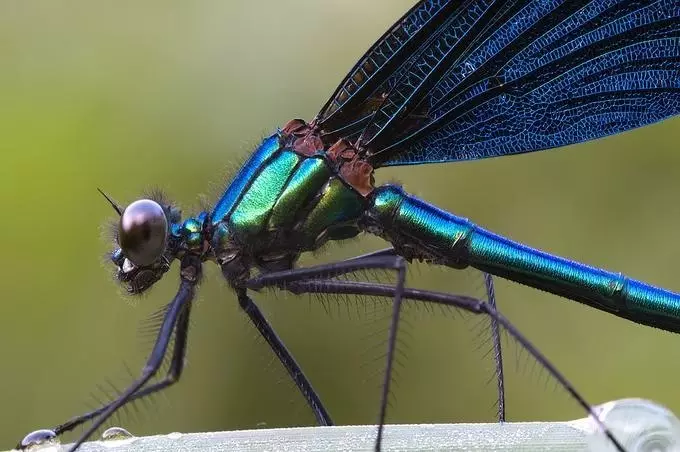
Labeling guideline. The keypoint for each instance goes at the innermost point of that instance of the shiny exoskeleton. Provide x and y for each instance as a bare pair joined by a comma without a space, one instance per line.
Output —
281,203
449,81
293,196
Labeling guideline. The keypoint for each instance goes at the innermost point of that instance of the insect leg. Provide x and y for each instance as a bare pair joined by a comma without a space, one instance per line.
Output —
468,304
173,375
498,353
285,357
381,260
184,296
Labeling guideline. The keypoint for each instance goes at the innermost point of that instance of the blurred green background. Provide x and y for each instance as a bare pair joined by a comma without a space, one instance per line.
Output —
126,96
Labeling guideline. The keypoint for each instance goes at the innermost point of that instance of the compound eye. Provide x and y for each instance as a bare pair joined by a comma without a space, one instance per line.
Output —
142,232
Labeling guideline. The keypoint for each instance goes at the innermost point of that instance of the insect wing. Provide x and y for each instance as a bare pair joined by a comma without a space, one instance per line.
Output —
490,78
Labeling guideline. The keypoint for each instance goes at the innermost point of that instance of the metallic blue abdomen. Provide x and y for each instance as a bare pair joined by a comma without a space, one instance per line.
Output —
422,231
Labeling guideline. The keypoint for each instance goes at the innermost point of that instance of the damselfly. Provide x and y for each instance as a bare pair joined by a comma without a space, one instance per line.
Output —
450,81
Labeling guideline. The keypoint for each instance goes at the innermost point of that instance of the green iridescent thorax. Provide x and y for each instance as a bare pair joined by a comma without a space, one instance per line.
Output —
282,203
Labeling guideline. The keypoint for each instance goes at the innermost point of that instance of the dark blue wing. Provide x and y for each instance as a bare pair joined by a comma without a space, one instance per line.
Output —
362,91
506,77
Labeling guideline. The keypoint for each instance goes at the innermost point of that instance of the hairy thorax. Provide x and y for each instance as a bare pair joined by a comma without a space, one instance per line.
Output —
291,196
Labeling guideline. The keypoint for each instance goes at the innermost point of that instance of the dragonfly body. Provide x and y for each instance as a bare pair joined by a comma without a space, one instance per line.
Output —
420,230
292,196
450,81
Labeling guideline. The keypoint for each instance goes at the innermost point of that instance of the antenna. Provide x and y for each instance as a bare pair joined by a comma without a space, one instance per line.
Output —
115,206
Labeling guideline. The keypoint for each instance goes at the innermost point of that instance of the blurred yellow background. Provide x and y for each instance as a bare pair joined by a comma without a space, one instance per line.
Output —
126,96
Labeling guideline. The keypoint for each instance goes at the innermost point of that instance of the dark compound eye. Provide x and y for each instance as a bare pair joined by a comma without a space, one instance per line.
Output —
142,232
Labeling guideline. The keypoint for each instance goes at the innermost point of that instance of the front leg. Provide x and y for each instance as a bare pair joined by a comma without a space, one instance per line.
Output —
176,319
172,377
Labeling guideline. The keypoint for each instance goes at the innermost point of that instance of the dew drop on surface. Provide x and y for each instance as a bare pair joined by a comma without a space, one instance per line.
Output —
115,433
39,438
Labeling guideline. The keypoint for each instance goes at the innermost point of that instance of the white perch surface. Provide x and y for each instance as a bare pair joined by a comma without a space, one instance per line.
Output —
639,425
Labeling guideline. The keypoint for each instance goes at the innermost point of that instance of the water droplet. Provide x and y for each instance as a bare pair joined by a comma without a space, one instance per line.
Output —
115,434
39,438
